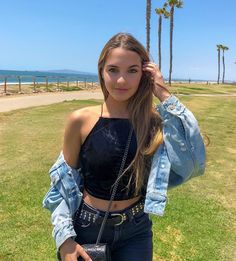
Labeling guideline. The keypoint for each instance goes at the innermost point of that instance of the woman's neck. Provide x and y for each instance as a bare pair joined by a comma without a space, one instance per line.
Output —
116,109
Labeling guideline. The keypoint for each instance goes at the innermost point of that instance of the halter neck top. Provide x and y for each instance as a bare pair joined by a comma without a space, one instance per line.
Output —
101,155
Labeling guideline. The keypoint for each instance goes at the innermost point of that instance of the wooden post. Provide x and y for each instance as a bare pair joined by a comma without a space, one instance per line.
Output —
77,83
92,84
67,83
58,83
19,79
85,83
34,81
5,85
47,83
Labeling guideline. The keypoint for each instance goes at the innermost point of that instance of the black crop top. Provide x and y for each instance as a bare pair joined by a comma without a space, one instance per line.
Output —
101,155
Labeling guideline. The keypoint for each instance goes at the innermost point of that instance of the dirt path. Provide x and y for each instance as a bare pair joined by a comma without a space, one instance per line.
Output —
24,101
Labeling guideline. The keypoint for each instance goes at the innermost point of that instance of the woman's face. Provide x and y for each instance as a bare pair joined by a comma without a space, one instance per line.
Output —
122,73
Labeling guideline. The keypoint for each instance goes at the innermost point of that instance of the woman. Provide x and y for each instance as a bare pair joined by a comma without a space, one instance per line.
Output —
166,149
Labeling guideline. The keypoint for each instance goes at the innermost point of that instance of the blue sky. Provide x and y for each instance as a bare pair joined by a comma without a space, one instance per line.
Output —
50,34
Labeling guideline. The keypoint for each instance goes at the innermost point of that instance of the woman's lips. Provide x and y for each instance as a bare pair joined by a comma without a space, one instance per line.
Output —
121,89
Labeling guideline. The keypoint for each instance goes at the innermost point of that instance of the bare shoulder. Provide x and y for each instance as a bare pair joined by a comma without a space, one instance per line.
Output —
84,115
79,124
82,121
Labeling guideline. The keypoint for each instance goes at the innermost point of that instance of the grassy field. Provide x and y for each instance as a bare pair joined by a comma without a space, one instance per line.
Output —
199,222
197,88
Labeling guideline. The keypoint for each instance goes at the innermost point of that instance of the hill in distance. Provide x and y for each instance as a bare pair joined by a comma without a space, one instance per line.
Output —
70,72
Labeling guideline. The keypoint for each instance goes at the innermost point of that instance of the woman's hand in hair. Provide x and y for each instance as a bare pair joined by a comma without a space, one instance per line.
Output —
159,88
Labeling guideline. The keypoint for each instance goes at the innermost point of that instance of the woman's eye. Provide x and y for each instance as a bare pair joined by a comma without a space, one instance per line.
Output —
112,70
133,71
115,70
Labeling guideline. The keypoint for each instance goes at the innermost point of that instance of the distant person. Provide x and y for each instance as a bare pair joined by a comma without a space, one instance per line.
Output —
166,149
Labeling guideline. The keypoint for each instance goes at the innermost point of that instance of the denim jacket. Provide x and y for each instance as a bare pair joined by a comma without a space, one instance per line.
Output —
179,158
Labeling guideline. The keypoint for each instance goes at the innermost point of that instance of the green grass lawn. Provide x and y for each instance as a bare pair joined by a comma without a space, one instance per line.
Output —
199,222
199,88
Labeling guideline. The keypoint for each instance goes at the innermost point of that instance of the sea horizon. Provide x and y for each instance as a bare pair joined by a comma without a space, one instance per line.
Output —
28,76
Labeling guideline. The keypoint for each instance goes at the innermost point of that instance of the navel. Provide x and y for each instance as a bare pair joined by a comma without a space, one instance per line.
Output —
114,205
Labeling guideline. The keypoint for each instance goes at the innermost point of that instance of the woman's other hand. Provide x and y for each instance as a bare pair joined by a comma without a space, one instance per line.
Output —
159,88
70,251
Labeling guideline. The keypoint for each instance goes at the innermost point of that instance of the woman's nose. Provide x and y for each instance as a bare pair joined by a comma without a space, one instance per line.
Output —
121,79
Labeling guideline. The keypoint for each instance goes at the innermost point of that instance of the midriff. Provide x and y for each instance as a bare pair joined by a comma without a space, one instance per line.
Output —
102,204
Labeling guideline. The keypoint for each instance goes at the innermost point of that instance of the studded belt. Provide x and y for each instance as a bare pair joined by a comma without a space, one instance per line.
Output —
91,215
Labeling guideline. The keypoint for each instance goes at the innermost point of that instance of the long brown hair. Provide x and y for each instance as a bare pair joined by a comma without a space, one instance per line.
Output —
145,120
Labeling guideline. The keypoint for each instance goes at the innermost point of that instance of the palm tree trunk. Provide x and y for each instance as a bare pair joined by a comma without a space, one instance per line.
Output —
148,17
159,41
218,80
223,60
171,40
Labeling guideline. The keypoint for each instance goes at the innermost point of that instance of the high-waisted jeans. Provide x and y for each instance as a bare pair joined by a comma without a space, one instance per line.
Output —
131,240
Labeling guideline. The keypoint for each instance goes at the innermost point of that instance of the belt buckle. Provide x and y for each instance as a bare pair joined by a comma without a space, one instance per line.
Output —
118,215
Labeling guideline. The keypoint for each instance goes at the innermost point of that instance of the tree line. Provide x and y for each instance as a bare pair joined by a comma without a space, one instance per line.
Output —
167,11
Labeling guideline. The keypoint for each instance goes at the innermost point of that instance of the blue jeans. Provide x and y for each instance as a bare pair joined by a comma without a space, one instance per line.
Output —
132,240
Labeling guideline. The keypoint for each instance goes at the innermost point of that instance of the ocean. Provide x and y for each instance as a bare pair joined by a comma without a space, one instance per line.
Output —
41,76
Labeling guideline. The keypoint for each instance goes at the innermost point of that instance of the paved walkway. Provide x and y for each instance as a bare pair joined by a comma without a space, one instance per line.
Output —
9,103
14,102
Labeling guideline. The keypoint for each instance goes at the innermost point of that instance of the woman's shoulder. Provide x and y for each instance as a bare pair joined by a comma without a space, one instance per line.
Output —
84,114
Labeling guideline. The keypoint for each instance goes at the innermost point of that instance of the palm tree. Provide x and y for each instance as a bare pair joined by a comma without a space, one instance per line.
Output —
224,48
172,4
218,50
161,12
148,18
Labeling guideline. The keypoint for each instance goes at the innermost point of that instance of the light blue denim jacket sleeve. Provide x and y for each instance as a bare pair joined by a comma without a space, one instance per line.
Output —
179,158
63,199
